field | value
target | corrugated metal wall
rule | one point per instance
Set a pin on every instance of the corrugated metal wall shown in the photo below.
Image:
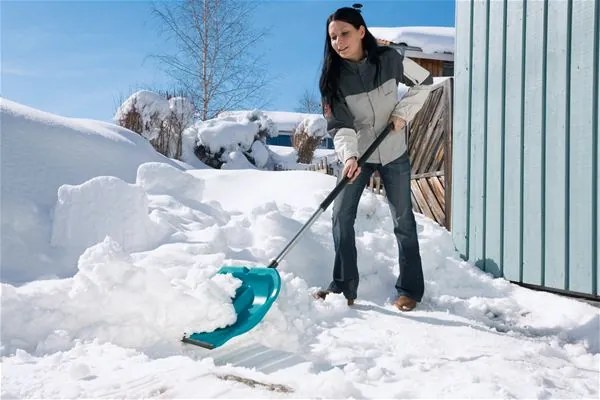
(525, 193)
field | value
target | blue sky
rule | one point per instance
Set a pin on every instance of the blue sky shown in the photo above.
(78, 58)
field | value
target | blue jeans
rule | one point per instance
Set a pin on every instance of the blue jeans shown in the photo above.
(396, 181)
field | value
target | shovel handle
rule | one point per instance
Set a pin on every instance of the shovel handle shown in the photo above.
(329, 199)
(361, 161)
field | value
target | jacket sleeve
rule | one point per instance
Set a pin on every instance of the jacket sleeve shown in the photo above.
(412, 102)
(340, 125)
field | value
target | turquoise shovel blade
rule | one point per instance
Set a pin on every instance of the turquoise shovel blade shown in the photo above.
(260, 287)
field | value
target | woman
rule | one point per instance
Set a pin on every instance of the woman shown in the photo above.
(358, 84)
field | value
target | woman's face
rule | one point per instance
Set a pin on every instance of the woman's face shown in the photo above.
(346, 40)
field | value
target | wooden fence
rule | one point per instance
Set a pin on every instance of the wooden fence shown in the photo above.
(430, 151)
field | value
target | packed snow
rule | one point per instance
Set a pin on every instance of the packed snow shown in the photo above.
(109, 254)
(431, 39)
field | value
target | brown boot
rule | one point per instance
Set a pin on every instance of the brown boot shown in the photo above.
(405, 303)
(321, 294)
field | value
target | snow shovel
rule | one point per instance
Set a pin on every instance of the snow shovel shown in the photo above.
(260, 286)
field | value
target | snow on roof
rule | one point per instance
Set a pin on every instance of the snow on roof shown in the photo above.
(431, 39)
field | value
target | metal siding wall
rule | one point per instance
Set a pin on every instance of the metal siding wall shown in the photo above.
(597, 156)
(556, 170)
(581, 148)
(478, 134)
(529, 197)
(494, 146)
(460, 146)
(512, 141)
(532, 140)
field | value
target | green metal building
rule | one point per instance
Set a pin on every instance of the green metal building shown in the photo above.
(525, 173)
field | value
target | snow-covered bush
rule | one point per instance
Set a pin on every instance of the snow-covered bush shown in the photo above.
(232, 141)
(159, 118)
(307, 137)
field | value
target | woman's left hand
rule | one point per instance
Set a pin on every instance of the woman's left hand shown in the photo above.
(398, 122)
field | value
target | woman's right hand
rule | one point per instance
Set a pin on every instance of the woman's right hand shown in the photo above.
(351, 168)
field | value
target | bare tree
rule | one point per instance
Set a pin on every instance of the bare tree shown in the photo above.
(309, 103)
(216, 61)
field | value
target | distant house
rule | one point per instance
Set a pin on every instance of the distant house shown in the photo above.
(430, 47)
(286, 125)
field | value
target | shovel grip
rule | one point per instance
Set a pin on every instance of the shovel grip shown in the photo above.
(361, 161)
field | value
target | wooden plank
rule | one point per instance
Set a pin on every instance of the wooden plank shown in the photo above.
(494, 145)
(422, 183)
(437, 213)
(512, 142)
(418, 133)
(478, 132)
(533, 142)
(461, 116)
(425, 154)
(427, 175)
(415, 204)
(580, 147)
(437, 150)
(438, 189)
(416, 190)
(424, 144)
(555, 162)
(439, 192)
(436, 158)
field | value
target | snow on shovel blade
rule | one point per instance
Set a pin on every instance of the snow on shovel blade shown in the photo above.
(260, 287)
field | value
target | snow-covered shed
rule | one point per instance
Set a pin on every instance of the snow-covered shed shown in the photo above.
(432, 47)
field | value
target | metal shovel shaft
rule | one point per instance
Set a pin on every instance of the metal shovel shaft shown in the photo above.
(329, 199)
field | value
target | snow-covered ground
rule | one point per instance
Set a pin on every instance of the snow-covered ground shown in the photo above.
(109, 252)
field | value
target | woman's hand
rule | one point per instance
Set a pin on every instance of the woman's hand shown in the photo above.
(351, 168)
(398, 122)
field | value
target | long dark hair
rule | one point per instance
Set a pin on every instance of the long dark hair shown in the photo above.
(332, 62)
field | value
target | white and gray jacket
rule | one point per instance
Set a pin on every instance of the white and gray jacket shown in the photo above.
(365, 108)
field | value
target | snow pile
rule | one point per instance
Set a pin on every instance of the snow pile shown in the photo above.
(111, 299)
(155, 112)
(430, 39)
(160, 178)
(235, 141)
(158, 118)
(226, 135)
(313, 126)
(181, 106)
(153, 109)
(105, 205)
(40, 153)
